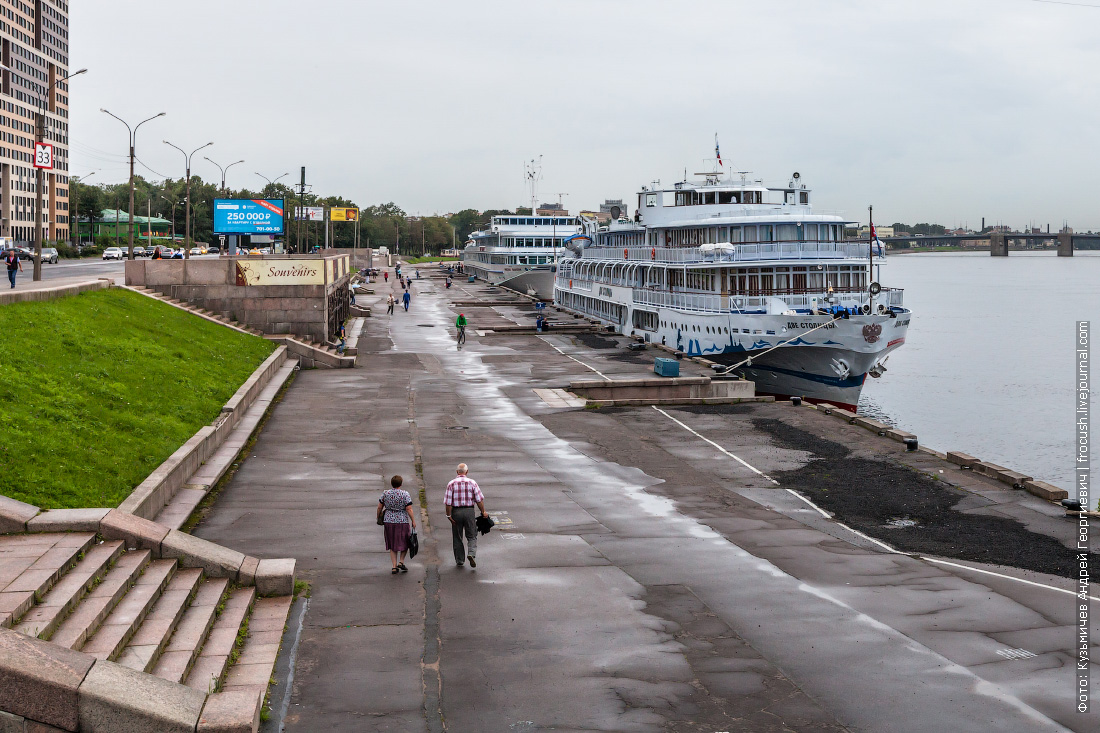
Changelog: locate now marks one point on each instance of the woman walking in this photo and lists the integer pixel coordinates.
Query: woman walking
(395, 513)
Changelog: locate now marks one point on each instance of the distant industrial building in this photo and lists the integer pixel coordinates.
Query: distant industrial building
(551, 210)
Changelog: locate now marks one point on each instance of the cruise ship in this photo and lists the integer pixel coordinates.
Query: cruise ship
(519, 252)
(747, 276)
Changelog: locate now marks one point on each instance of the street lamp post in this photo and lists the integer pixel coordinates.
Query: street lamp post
(187, 215)
(76, 207)
(40, 137)
(231, 239)
(174, 203)
(133, 142)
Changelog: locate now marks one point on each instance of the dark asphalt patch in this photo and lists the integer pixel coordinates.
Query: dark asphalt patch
(733, 409)
(872, 496)
(643, 358)
(594, 341)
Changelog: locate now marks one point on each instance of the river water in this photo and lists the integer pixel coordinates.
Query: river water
(988, 366)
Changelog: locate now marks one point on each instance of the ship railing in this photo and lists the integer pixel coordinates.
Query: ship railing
(732, 252)
(711, 303)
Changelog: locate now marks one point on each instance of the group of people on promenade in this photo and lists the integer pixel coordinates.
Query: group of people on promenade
(461, 497)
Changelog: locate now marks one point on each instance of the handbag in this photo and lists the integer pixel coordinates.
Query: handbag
(414, 545)
(381, 519)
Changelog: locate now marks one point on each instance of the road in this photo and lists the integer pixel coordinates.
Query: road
(647, 573)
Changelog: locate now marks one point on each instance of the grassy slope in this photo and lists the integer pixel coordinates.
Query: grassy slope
(98, 389)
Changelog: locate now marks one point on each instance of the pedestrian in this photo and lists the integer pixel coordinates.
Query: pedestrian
(395, 514)
(461, 496)
(390, 303)
(386, 275)
(448, 282)
(343, 334)
(404, 283)
(418, 274)
(406, 299)
(460, 324)
(156, 254)
(11, 259)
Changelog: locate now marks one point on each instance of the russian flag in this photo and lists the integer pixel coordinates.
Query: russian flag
(717, 154)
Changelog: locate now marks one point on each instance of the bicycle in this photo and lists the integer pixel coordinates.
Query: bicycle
(461, 338)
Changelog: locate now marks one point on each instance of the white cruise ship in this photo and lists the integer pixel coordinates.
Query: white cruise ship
(519, 252)
(747, 276)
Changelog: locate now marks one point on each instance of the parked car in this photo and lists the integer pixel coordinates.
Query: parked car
(49, 254)
(196, 251)
(114, 253)
(142, 252)
(214, 250)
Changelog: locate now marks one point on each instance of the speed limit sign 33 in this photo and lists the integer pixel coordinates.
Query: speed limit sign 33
(43, 155)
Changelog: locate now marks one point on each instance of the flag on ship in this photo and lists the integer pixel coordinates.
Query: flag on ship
(717, 154)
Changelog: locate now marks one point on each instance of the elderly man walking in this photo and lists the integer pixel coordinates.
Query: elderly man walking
(462, 495)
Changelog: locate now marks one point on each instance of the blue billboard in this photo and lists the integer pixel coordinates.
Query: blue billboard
(248, 216)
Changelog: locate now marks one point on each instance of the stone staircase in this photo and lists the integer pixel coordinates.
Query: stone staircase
(141, 616)
(149, 615)
(312, 353)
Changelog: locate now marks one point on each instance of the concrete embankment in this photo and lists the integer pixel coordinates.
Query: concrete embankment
(652, 568)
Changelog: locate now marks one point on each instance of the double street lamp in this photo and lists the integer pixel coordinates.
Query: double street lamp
(133, 140)
(74, 199)
(187, 224)
(232, 241)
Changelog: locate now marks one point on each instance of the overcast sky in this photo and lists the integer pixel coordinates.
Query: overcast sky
(931, 110)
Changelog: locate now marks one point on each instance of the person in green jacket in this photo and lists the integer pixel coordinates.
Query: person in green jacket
(460, 324)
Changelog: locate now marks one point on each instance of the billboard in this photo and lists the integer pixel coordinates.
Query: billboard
(248, 216)
(310, 213)
(339, 214)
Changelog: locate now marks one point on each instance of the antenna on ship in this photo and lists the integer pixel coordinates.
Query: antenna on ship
(532, 173)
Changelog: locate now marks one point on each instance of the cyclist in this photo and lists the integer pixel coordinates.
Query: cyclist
(460, 324)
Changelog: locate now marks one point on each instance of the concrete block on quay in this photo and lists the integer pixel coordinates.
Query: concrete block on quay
(845, 415)
(68, 520)
(40, 680)
(872, 425)
(899, 435)
(236, 711)
(136, 532)
(116, 698)
(14, 515)
(1044, 490)
(961, 459)
(275, 577)
(194, 552)
(247, 574)
(1013, 478)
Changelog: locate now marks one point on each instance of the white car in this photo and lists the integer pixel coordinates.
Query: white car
(114, 253)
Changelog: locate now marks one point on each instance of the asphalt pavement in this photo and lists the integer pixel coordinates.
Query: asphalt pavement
(646, 572)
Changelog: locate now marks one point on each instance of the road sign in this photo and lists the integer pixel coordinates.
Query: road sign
(43, 156)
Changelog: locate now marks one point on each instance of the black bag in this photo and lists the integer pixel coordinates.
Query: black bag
(484, 524)
(414, 545)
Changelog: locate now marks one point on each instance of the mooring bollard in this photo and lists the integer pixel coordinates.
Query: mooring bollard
(796, 401)
(910, 444)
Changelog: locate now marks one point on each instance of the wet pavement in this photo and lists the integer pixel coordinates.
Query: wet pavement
(647, 573)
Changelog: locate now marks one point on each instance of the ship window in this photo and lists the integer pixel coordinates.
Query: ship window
(750, 234)
(708, 197)
(786, 233)
(735, 234)
(804, 197)
(766, 233)
(650, 199)
(725, 197)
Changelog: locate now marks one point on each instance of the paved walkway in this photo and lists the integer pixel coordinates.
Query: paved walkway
(633, 582)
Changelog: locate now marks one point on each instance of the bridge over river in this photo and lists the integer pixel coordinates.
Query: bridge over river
(999, 242)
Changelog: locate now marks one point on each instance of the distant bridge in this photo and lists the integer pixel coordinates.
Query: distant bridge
(999, 242)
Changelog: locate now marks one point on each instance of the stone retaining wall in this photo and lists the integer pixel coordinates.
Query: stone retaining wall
(52, 293)
(154, 493)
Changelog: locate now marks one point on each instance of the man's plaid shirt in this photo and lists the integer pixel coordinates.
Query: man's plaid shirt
(462, 491)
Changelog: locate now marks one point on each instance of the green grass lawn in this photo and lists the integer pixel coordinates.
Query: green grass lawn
(98, 389)
(423, 260)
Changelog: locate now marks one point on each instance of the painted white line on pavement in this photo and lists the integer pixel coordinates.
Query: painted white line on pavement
(744, 463)
(1001, 575)
(941, 562)
(820, 511)
(586, 366)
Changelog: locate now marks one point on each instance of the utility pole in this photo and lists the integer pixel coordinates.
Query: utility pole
(232, 238)
(39, 182)
(187, 212)
(76, 206)
(133, 142)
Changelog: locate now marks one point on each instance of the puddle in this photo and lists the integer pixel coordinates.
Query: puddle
(900, 523)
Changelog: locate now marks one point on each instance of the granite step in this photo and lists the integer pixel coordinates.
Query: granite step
(253, 669)
(87, 617)
(218, 649)
(35, 565)
(150, 639)
(183, 648)
(44, 618)
(116, 630)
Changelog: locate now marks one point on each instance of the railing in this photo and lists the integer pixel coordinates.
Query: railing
(735, 253)
(709, 303)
